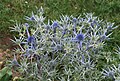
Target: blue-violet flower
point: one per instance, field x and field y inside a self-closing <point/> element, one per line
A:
<point x="80" y="37"/>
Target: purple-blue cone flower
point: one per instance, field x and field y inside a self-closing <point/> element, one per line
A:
<point x="32" y="42"/>
<point x="92" y="24"/>
<point x="30" y="39"/>
<point x="27" y="25"/>
<point x="74" y="24"/>
<point x="32" y="18"/>
<point x="109" y="27"/>
<point x="28" y="53"/>
<point x="15" y="62"/>
<point x="74" y="20"/>
<point x="103" y="38"/>
<point x="80" y="37"/>
<point x="64" y="32"/>
<point x="55" y="24"/>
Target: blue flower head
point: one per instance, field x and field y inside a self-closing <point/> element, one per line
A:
<point x="27" y="25"/>
<point x="55" y="24"/>
<point x="74" y="20"/>
<point x="32" y="18"/>
<point x="30" y="39"/>
<point x="103" y="38"/>
<point x="109" y="73"/>
<point x="109" y="28"/>
<point x="80" y="37"/>
<point x="15" y="62"/>
<point x="92" y="24"/>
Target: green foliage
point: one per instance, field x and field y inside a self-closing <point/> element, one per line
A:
<point x="11" y="10"/>
<point x="5" y="74"/>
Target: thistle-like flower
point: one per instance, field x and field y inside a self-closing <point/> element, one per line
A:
<point x="31" y="42"/>
<point x="74" y="20"/>
<point x="27" y="25"/>
<point x="31" y="39"/>
<point x="29" y="52"/>
<point x="55" y="24"/>
<point x="110" y="73"/>
<point x="32" y="18"/>
<point x="80" y="37"/>
<point x="15" y="62"/>
<point x="74" y="24"/>
<point x="87" y="63"/>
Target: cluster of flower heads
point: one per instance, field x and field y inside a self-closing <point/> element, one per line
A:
<point x="60" y="44"/>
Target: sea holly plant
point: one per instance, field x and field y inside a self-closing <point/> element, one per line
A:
<point x="61" y="50"/>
